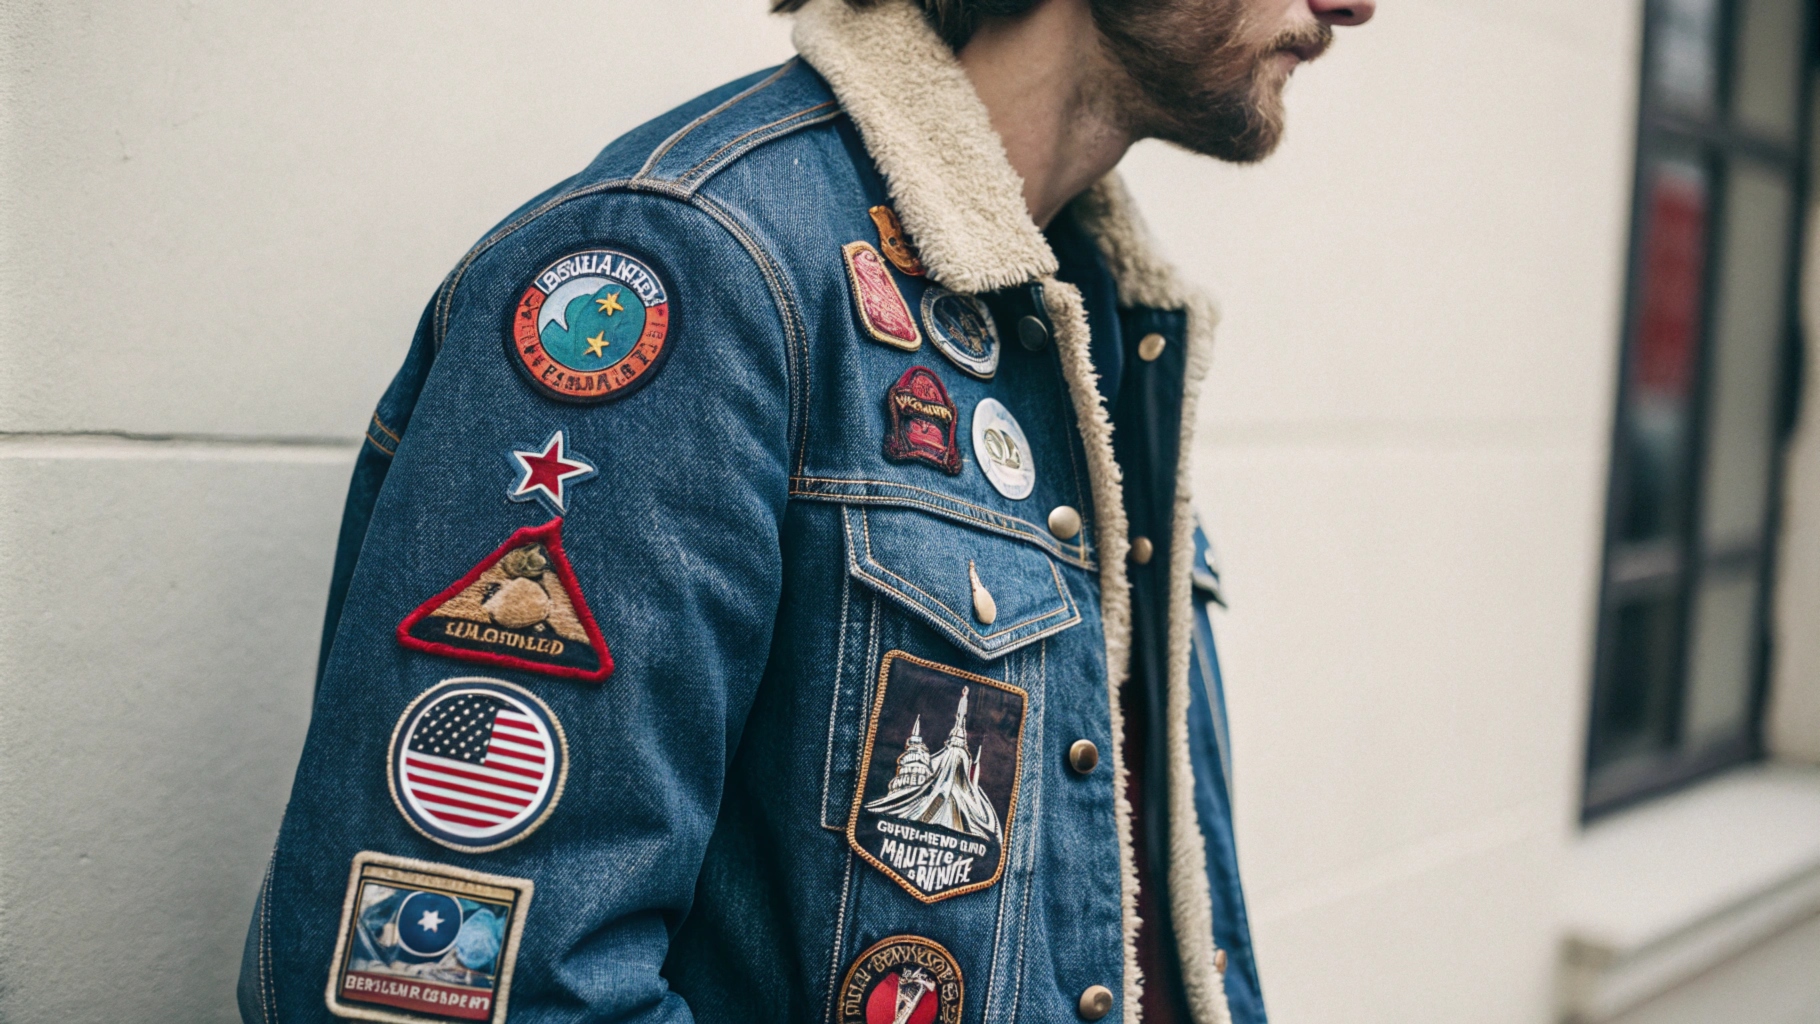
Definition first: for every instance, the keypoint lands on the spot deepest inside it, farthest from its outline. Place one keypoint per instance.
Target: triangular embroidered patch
(521, 607)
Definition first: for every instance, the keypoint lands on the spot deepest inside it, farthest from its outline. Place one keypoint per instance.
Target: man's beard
(1197, 83)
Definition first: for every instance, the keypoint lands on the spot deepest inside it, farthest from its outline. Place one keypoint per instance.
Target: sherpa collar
(944, 165)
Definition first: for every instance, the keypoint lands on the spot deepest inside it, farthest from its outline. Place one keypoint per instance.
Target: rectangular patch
(423, 942)
(936, 819)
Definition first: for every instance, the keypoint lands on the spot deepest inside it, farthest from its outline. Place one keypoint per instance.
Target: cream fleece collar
(944, 165)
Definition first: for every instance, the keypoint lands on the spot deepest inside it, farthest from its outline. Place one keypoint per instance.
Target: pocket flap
(929, 566)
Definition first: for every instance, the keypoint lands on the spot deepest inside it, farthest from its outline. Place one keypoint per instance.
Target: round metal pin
(961, 326)
(999, 445)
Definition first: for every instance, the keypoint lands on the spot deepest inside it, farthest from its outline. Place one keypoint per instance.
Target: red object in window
(1674, 259)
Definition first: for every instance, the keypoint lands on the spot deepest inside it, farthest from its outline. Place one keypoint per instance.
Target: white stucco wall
(222, 220)
(1404, 467)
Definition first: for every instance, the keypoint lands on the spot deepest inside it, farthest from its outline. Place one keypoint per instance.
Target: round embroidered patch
(592, 326)
(477, 764)
(961, 326)
(999, 445)
(905, 979)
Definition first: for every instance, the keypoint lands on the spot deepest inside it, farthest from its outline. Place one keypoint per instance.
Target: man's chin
(1239, 136)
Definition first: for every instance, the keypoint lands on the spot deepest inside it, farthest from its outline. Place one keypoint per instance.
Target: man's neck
(1044, 80)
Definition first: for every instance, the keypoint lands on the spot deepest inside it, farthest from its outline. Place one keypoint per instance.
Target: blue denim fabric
(751, 559)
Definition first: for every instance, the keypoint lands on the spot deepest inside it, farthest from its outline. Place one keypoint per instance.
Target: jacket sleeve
(669, 541)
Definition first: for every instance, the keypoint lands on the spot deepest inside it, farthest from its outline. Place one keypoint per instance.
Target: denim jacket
(729, 579)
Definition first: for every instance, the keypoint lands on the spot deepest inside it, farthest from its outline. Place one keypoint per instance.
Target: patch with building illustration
(521, 607)
(938, 779)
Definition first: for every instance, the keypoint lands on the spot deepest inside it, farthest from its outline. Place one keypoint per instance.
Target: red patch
(922, 421)
(905, 979)
(881, 306)
(521, 608)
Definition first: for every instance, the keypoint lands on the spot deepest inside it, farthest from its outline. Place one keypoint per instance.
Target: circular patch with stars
(592, 326)
(477, 764)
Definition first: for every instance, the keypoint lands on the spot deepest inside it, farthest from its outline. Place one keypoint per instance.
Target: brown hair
(955, 20)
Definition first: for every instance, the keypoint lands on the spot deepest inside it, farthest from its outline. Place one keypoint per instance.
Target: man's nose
(1343, 12)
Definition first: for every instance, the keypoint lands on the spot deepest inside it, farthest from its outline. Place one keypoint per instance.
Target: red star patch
(544, 475)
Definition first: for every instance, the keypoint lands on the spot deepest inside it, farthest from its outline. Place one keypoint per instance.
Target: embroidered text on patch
(545, 472)
(904, 979)
(521, 608)
(895, 243)
(921, 417)
(937, 820)
(881, 306)
(421, 942)
(592, 326)
(477, 764)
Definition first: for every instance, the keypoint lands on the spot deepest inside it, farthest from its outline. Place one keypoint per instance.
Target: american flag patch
(477, 764)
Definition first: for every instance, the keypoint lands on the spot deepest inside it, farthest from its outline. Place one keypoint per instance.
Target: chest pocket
(989, 594)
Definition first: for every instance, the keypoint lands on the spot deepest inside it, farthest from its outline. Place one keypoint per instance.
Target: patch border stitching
(556, 787)
(564, 572)
(502, 990)
(865, 768)
(960, 976)
(859, 300)
(945, 345)
(672, 327)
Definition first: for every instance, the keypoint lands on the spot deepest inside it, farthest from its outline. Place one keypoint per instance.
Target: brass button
(985, 608)
(1064, 522)
(1151, 347)
(1096, 1002)
(1141, 550)
(1083, 757)
(1219, 960)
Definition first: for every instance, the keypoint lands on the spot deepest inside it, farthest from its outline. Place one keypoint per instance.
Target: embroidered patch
(882, 308)
(961, 327)
(544, 473)
(477, 764)
(423, 942)
(895, 243)
(935, 821)
(521, 608)
(1002, 452)
(905, 979)
(592, 326)
(922, 421)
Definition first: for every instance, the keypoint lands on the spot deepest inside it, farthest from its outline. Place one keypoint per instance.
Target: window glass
(1634, 710)
(1684, 52)
(1747, 343)
(1722, 663)
(1767, 56)
(1656, 423)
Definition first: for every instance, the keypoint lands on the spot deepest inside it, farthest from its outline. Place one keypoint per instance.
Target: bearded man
(769, 590)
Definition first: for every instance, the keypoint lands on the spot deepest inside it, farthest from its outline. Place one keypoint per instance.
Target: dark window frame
(1719, 144)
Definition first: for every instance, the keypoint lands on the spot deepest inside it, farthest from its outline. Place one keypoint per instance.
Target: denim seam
(1036, 808)
(840, 672)
(840, 929)
(962, 639)
(268, 988)
(664, 147)
(737, 146)
(996, 522)
(796, 343)
(387, 431)
(383, 450)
